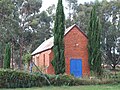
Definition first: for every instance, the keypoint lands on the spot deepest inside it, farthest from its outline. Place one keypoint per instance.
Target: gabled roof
(48, 44)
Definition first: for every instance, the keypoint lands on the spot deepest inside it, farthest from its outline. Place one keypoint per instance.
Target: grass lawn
(91, 87)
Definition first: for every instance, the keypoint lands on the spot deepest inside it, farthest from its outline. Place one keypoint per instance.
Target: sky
(47, 3)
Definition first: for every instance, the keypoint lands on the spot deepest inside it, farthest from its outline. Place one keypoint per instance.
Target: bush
(6, 63)
(26, 58)
(115, 75)
(59, 80)
(17, 79)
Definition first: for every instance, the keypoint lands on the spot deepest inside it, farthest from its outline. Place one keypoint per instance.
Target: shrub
(26, 58)
(111, 75)
(17, 79)
(59, 80)
(6, 63)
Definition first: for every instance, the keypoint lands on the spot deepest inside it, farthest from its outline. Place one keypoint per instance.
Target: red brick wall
(76, 47)
(42, 60)
(51, 69)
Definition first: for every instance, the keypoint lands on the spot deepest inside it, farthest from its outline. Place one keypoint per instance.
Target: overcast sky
(47, 3)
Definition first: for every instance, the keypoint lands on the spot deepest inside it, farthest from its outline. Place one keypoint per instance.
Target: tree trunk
(114, 67)
(1, 63)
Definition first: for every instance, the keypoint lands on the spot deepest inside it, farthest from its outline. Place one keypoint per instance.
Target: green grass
(91, 87)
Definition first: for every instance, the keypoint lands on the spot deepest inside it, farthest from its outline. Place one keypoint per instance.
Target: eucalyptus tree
(72, 8)
(8, 23)
(111, 33)
(23, 25)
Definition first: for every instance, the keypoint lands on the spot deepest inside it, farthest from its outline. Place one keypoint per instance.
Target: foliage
(110, 42)
(1, 54)
(23, 25)
(60, 80)
(58, 49)
(72, 8)
(26, 58)
(94, 34)
(7, 56)
(8, 24)
(51, 12)
(113, 75)
(17, 79)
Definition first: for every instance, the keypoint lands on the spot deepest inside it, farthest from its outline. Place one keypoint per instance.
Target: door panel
(76, 67)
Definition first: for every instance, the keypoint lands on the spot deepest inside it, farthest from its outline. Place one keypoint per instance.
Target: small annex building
(76, 53)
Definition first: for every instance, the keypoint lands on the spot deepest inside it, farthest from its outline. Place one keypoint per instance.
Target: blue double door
(76, 67)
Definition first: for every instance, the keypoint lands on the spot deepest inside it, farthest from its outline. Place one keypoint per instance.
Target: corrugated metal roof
(44, 46)
(48, 44)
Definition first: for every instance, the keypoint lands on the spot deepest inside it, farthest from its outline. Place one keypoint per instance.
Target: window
(44, 60)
